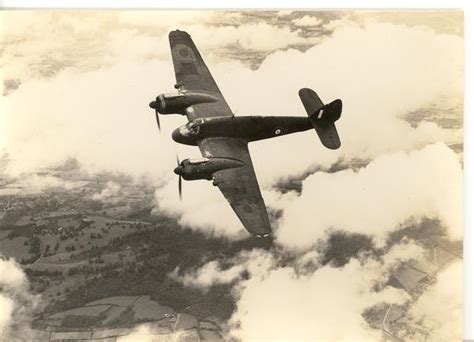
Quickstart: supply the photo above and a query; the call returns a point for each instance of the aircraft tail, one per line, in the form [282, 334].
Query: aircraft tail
[322, 117]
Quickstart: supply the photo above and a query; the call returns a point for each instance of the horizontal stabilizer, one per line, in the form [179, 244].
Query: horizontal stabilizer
[328, 136]
[322, 117]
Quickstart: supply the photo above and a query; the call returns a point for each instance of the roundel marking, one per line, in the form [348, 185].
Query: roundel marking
[277, 131]
[184, 53]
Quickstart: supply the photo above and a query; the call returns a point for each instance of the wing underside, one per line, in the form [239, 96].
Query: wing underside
[192, 73]
[239, 185]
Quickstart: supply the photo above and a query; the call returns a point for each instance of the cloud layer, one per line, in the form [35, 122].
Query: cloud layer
[277, 300]
[378, 198]
[101, 116]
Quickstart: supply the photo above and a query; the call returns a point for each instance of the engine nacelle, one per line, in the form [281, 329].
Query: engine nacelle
[176, 103]
[204, 168]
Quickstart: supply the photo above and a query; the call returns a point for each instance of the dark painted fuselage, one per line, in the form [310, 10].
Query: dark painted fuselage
[250, 128]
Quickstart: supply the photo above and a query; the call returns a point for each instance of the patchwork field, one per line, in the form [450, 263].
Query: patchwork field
[161, 320]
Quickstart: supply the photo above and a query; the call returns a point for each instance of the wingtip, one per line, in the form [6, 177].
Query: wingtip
[177, 33]
[333, 147]
[304, 91]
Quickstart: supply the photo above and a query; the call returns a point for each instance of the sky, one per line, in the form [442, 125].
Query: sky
[78, 83]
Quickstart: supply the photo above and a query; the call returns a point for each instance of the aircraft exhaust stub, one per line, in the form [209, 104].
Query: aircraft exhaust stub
[176, 103]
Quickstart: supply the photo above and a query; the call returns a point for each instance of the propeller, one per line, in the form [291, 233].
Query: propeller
[157, 120]
[178, 170]
[154, 105]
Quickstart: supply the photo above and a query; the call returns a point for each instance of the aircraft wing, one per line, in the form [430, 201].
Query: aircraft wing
[193, 74]
[239, 185]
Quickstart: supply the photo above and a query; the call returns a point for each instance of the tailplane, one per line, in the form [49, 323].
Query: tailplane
[322, 117]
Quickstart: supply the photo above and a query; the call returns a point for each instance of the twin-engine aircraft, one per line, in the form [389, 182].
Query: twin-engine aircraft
[223, 138]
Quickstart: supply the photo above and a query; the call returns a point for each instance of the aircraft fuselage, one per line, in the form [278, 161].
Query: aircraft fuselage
[250, 128]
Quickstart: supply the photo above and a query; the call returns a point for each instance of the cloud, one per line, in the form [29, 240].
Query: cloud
[208, 275]
[371, 122]
[284, 13]
[111, 189]
[40, 44]
[16, 302]
[85, 116]
[311, 307]
[6, 314]
[326, 302]
[163, 20]
[255, 37]
[307, 20]
[141, 333]
[404, 251]
[441, 21]
[440, 307]
[212, 273]
[11, 275]
[145, 333]
[257, 263]
[11, 280]
[375, 84]
[280, 300]
[37, 183]
[378, 198]
[214, 217]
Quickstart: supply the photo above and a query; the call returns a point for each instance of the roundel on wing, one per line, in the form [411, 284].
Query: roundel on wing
[184, 53]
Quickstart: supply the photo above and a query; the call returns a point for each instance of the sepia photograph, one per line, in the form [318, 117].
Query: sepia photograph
[231, 175]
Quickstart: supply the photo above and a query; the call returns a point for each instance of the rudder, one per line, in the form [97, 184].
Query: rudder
[322, 117]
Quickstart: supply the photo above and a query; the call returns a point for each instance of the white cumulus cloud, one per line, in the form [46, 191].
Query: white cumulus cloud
[440, 308]
[16, 302]
[378, 198]
[284, 301]
[307, 20]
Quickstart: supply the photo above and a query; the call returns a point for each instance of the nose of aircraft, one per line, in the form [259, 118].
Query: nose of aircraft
[176, 135]
[178, 170]
[152, 104]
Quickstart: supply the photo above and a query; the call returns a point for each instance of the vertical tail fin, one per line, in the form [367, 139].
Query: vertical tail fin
[322, 117]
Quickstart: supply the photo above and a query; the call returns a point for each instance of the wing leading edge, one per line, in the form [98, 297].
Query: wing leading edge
[239, 185]
[192, 73]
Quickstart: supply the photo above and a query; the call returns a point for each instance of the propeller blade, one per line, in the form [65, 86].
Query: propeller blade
[180, 188]
[157, 119]
[177, 160]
